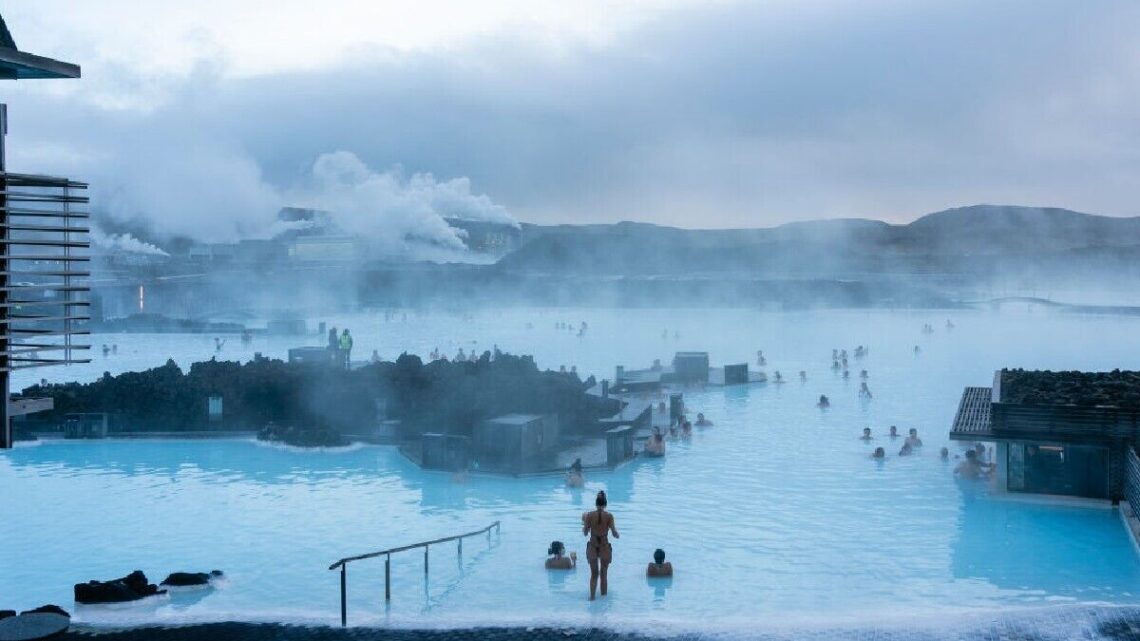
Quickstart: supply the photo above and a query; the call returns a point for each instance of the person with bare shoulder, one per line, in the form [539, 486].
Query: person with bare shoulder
[574, 476]
[659, 567]
[557, 559]
[597, 525]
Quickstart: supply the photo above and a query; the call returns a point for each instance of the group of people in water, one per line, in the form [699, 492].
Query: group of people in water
[975, 463]
[679, 427]
[390, 315]
[777, 377]
[839, 364]
[928, 328]
[910, 444]
[460, 356]
[472, 357]
[569, 327]
[597, 525]
[839, 356]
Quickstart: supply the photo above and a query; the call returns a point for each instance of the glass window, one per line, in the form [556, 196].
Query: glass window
[1053, 468]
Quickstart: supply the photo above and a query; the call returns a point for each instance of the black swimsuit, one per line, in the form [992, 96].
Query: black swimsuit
[599, 546]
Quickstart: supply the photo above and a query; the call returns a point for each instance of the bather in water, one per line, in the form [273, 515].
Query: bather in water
[866, 435]
[659, 567]
[597, 525]
[912, 438]
[655, 445]
[574, 476]
[823, 402]
[971, 468]
[557, 559]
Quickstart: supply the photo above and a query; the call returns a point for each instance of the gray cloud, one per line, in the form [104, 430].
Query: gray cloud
[714, 117]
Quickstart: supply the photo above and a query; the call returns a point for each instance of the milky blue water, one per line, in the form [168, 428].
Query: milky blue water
[776, 515]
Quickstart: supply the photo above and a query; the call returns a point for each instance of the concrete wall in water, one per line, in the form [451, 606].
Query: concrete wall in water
[515, 443]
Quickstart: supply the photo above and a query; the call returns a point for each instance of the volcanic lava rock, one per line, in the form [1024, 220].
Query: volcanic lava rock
[302, 437]
[50, 608]
[190, 579]
[1088, 389]
[132, 587]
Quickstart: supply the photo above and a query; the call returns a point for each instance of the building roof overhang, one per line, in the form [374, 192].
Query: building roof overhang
[974, 422]
[19, 65]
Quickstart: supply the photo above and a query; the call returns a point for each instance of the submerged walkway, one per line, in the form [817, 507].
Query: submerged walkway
[1046, 624]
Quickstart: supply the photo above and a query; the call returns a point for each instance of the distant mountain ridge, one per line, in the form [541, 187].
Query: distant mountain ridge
[942, 240]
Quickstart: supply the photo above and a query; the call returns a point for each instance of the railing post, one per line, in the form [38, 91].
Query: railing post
[343, 595]
[388, 578]
[387, 554]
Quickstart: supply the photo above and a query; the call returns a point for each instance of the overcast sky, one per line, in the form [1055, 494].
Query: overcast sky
[695, 114]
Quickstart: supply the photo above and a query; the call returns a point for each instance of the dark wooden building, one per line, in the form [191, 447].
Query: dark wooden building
[1056, 433]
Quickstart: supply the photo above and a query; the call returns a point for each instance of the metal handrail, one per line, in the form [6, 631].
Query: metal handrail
[343, 563]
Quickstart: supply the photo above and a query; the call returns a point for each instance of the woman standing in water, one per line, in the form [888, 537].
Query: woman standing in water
[597, 525]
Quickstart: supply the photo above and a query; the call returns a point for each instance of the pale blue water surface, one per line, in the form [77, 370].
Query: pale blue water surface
[775, 515]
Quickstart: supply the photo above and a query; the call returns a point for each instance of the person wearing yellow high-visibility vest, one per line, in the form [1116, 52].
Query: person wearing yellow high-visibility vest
[346, 348]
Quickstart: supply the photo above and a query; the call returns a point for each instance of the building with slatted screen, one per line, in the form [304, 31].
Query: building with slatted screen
[43, 257]
[1067, 434]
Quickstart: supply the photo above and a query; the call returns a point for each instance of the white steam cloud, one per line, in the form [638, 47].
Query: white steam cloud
[398, 215]
[221, 196]
[199, 191]
[124, 243]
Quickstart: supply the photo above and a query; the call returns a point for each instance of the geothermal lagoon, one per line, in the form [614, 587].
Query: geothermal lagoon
[775, 516]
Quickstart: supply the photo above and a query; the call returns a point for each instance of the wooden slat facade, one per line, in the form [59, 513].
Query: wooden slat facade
[1132, 476]
[1065, 423]
[972, 422]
